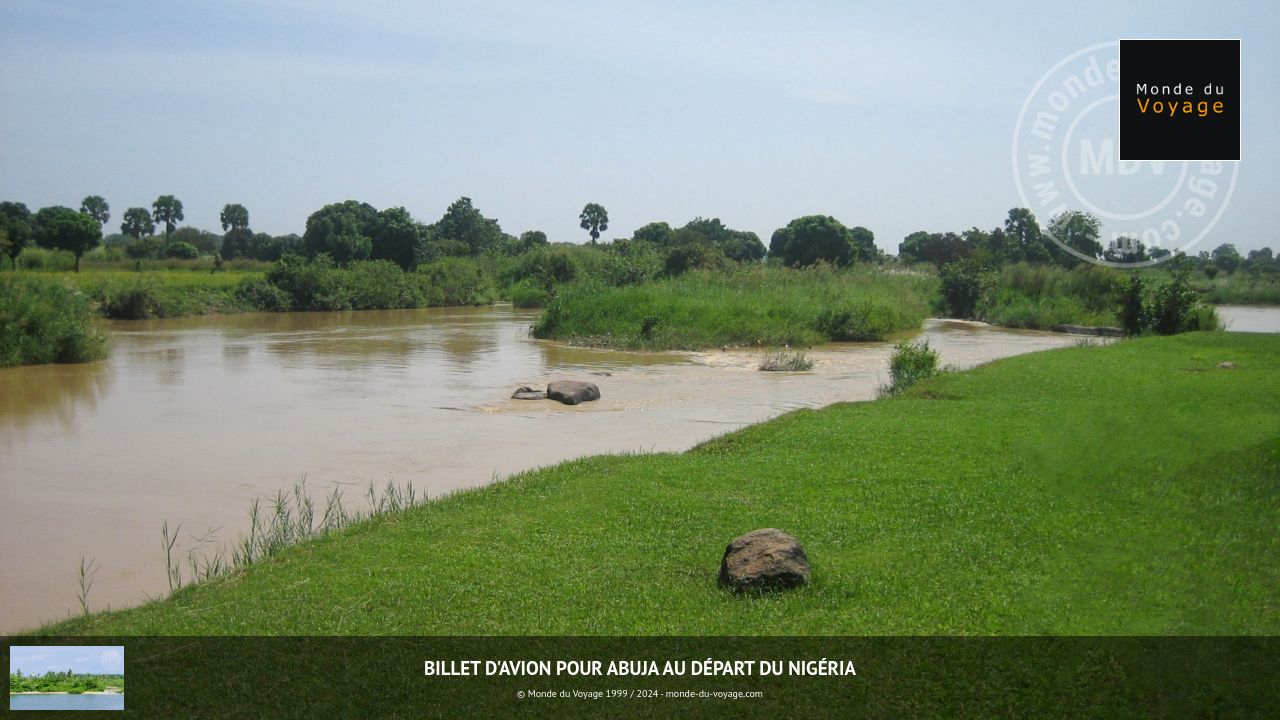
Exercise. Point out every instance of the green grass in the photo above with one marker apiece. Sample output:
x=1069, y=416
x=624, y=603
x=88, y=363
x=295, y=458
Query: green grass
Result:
x=750, y=305
x=1124, y=489
x=1241, y=289
x=45, y=320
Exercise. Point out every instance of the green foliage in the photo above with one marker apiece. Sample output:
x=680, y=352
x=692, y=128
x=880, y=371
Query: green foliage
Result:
x=747, y=305
x=16, y=231
x=97, y=208
x=1078, y=231
x=1133, y=316
x=63, y=682
x=1043, y=296
x=341, y=231
x=911, y=362
x=457, y=281
x=594, y=219
x=180, y=249
x=963, y=284
x=1174, y=305
x=397, y=237
x=65, y=229
x=138, y=223
x=167, y=209
x=528, y=293
x=464, y=225
x=813, y=238
x=44, y=320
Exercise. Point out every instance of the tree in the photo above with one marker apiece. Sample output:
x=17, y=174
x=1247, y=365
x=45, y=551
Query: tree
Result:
x=16, y=231
x=65, y=229
x=137, y=223
x=1078, y=231
x=657, y=234
x=97, y=208
x=1227, y=258
x=738, y=245
x=530, y=239
x=594, y=219
x=464, y=223
x=396, y=237
x=809, y=239
x=235, y=223
x=1023, y=239
x=864, y=244
x=167, y=209
x=341, y=231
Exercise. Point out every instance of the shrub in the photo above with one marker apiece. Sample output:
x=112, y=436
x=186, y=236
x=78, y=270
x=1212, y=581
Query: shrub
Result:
x=529, y=294
x=1133, y=316
x=38, y=258
x=963, y=284
x=911, y=363
x=135, y=298
x=256, y=293
x=381, y=284
x=784, y=361
x=179, y=249
x=456, y=281
x=867, y=320
x=46, y=321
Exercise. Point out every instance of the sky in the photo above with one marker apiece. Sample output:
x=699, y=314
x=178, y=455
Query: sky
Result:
x=895, y=116
x=84, y=659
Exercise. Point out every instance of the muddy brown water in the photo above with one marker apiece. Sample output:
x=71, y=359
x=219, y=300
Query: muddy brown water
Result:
x=190, y=419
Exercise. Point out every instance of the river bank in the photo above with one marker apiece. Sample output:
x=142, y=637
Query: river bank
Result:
x=976, y=503
x=419, y=396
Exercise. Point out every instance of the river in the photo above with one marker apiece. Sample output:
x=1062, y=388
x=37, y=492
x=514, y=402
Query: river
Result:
x=190, y=419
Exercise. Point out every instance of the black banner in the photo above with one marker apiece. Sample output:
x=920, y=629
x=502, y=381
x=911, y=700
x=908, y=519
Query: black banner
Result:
x=688, y=677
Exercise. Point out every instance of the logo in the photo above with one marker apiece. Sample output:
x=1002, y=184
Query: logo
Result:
x=1066, y=158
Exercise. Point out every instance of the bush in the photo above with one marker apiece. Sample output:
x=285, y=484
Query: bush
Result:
x=867, y=320
x=963, y=284
x=1174, y=306
x=529, y=294
x=256, y=293
x=1133, y=316
x=381, y=284
x=135, y=298
x=456, y=281
x=911, y=363
x=38, y=258
x=179, y=249
x=46, y=321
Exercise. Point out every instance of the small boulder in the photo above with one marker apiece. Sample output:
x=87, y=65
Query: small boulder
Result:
x=1228, y=365
x=528, y=393
x=572, y=392
x=766, y=559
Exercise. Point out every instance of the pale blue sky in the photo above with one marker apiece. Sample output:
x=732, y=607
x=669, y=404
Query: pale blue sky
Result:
x=87, y=659
x=895, y=116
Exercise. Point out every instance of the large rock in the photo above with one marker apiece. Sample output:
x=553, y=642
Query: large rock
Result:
x=572, y=392
x=766, y=559
x=528, y=393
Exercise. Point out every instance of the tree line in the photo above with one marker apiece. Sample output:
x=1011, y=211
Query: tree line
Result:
x=352, y=230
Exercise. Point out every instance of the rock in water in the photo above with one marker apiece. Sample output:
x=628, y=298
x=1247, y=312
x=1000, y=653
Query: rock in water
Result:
x=572, y=392
x=766, y=559
x=528, y=393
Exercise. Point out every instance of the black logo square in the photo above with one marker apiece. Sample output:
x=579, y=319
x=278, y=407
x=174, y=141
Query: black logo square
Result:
x=1179, y=100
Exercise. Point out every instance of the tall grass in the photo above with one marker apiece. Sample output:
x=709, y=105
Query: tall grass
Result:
x=750, y=305
x=44, y=320
x=786, y=361
x=283, y=520
x=1043, y=296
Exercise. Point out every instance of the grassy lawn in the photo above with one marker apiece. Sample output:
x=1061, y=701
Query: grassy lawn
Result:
x=1129, y=489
